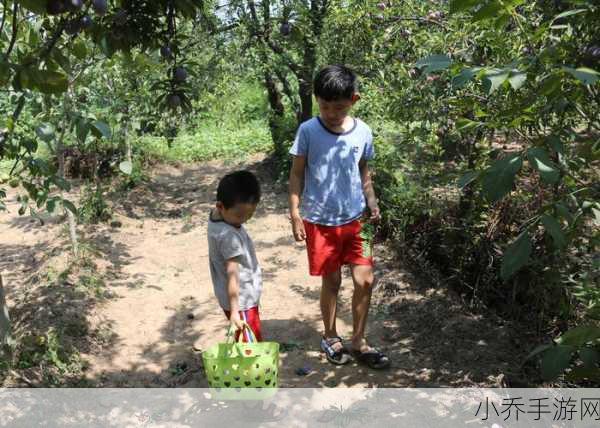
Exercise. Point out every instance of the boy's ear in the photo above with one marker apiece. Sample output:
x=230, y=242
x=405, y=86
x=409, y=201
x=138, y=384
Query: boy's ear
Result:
x=355, y=97
x=220, y=205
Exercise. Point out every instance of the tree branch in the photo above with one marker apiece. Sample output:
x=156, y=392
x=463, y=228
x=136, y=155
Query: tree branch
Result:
x=15, y=29
x=395, y=19
x=4, y=14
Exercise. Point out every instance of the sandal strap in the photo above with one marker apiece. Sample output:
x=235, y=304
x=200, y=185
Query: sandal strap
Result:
x=326, y=345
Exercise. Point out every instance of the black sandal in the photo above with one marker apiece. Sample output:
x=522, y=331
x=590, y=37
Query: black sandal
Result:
x=373, y=358
x=339, y=357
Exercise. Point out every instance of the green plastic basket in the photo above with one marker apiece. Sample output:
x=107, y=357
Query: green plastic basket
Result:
x=242, y=370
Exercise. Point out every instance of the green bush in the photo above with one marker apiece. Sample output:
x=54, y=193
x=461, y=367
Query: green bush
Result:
x=211, y=141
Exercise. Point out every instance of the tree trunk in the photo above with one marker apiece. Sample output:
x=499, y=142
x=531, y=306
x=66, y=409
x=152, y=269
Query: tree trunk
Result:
x=274, y=95
x=5, y=327
x=60, y=153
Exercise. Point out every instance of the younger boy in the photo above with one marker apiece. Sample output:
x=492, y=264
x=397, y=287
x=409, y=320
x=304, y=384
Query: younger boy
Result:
x=234, y=268
x=330, y=170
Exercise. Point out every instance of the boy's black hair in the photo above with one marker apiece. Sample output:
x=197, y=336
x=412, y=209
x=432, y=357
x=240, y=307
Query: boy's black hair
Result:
x=238, y=187
x=335, y=82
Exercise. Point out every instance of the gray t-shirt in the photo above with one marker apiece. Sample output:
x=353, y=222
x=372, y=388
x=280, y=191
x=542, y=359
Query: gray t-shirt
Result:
x=333, y=193
x=227, y=242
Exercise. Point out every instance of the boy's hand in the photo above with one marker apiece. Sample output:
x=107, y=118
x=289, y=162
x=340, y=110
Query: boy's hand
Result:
x=375, y=212
x=298, y=228
x=236, y=321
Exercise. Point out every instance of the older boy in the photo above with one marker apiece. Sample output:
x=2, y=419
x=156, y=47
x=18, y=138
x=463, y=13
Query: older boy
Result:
x=329, y=169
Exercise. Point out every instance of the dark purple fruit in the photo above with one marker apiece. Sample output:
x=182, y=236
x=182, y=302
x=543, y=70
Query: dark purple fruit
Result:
x=166, y=52
x=100, y=6
x=285, y=29
x=74, y=4
x=381, y=6
x=85, y=22
x=180, y=74
x=174, y=100
x=55, y=7
x=594, y=51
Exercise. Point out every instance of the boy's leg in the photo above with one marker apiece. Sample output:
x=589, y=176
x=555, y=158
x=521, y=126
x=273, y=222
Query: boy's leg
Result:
x=363, y=278
x=329, y=293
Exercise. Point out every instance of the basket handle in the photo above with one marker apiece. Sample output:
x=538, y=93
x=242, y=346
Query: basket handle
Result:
x=246, y=328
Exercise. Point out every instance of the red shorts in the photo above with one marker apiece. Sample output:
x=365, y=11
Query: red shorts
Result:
x=330, y=247
x=252, y=318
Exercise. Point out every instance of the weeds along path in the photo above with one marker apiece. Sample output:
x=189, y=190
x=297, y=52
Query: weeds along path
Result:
x=159, y=303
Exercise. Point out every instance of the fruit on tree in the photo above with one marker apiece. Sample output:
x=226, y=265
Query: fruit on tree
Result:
x=285, y=29
x=174, y=100
x=594, y=51
x=180, y=74
x=381, y=6
x=100, y=6
x=85, y=22
x=75, y=4
x=166, y=51
x=55, y=7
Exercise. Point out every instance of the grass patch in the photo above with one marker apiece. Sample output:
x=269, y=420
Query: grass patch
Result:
x=212, y=141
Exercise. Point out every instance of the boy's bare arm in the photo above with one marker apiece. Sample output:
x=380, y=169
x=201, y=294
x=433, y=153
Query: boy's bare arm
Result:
x=295, y=189
x=233, y=291
x=369, y=192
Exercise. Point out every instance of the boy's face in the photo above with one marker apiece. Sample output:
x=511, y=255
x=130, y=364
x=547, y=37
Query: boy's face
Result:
x=333, y=113
x=238, y=214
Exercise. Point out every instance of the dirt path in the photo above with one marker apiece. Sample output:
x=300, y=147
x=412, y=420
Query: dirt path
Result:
x=161, y=303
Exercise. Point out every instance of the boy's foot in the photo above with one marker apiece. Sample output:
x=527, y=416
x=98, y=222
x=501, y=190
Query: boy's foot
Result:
x=372, y=358
x=335, y=351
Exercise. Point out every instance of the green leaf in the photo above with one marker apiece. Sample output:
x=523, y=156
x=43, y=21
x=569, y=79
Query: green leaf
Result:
x=69, y=205
x=45, y=132
x=579, y=336
x=551, y=85
x=552, y=226
x=539, y=159
x=499, y=178
x=464, y=124
x=494, y=78
x=36, y=6
x=584, y=74
x=490, y=10
x=51, y=205
x=51, y=82
x=126, y=167
x=517, y=79
x=467, y=178
x=568, y=13
x=590, y=357
x=62, y=184
x=555, y=361
x=30, y=144
x=434, y=63
x=462, y=5
x=101, y=129
x=539, y=349
x=79, y=49
x=555, y=142
x=464, y=77
x=516, y=256
x=82, y=128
